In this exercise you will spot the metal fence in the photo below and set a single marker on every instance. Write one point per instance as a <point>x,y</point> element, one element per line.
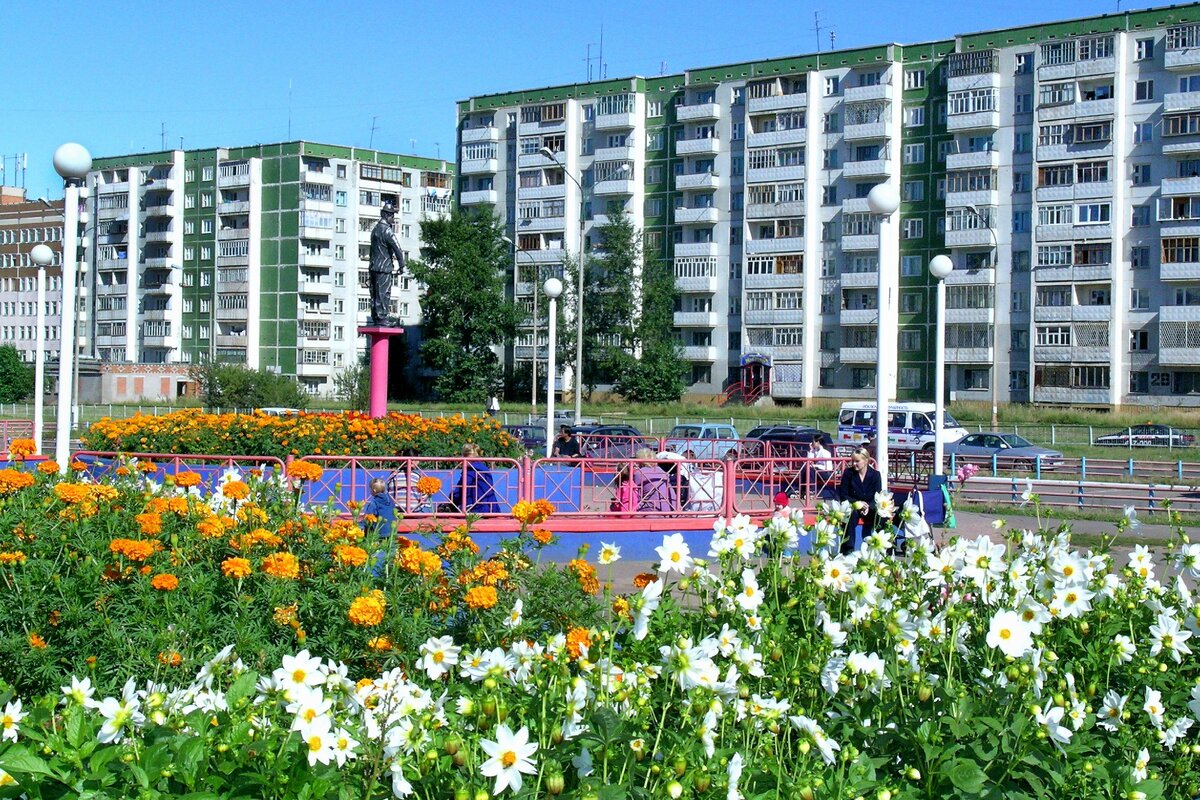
<point>1081,495</point>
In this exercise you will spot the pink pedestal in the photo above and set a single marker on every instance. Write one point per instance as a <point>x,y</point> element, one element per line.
<point>378,337</point>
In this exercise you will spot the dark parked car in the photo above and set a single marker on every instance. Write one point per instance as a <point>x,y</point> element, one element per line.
<point>608,441</point>
<point>792,443</point>
<point>1011,451</point>
<point>761,430</point>
<point>1148,436</point>
<point>532,437</point>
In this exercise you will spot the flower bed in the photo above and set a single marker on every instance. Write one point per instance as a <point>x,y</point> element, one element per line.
<point>344,433</point>
<point>1015,667</point>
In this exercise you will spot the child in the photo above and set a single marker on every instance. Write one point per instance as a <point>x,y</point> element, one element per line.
<point>379,513</point>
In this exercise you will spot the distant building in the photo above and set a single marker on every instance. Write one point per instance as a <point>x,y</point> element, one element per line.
<point>24,224</point>
<point>252,255</point>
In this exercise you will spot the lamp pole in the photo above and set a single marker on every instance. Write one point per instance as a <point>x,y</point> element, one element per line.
<point>548,154</point>
<point>71,161</point>
<point>979,215</point>
<point>517,279</point>
<point>42,256</point>
<point>883,202</point>
<point>553,288</point>
<point>939,268</point>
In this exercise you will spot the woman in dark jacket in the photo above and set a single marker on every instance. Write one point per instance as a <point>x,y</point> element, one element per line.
<point>479,495</point>
<point>860,483</point>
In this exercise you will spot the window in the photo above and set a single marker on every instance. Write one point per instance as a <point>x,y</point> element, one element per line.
<point>914,79</point>
<point>1139,299</point>
<point>831,123</point>
<point>654,108</point>
<point>1181,250</point>
<point>1189,83</point>
<point>1056,94</point>
<point>832,86</point>
<point>1181,124</point>
<point>1141,174</point>
<point>189,227</point>
<point>944,149</point>
<point>1141,216</point>
<point>829,195</point>
<point>1018,340</point>
<point>206,226</point>
<point>910,303</point>
<point>1139,258</point>
<point>910,341</point>
<point>914,116</point>
<point>1021,221</point>
<point>1091,172</point>
<point>1022,142</point>
<point>655,140</point>
<point>1144,49</point>
<point>1023,103</point>
<point>1053,336</point>
<point>1143,90</point>
<point>972,101</point>
<point>831,160</point>
<point>914,153</point>
<point>1022,182</point>
<point>911,266</point>
<point>914,191</point>
<point>1143,132</point>
<point>1024,63</point>
<point>1093,213</point>
<point>914,228</point>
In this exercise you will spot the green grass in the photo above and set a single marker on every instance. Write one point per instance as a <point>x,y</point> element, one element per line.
<point>1058,514</point>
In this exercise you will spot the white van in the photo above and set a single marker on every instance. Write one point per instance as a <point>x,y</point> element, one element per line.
<point>910,425</point>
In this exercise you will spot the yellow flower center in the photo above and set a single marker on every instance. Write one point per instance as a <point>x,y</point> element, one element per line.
<point>343,743</point>
<point>310,714</point>
<point>314,743</point>
<point>675,557</point>
<point>1072,597</point>
<point>835,573</point>
<point>438,657</point>
<point>298,676</point>
<point>1005,633</point>
<point>508,759</point>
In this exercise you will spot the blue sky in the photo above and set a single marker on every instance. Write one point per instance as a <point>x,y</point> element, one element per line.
<point>112,75</point>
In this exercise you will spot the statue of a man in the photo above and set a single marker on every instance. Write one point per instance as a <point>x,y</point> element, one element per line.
<point>383,248</point>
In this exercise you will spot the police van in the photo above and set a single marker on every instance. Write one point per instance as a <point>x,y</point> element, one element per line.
<point>910,426</point>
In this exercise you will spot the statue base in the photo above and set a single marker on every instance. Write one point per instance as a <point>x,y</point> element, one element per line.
<point>378,337</point>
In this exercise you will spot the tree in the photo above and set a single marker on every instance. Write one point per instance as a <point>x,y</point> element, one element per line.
<point>465,313</point>
<point>236,386</point>
<point>657,375</point>
<point>353,386</point>
<point>16,377</point>
<point>612,286</point>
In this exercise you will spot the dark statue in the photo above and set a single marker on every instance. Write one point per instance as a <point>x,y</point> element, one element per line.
<point>383,248</point>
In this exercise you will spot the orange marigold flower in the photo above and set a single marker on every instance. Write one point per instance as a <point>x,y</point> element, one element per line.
<point>55,618</point>
<point>480,597</point>
<point>12,480</point>
<point>577,640</point>
<point>543,536</point>
<point>534,513</point>
<point>187,479</point>
<point>419,562</point>
<point>71,493</point>
<point>78,465</point>
<point>380,644</point>
<point>258,536</point>
<point>134,549</point>
<point>171,659</point>
<point>455,540</point>
<point>281,565</point>
<point>236,490</point>
<point>586,574</point>
<point>349,555</point>
<point>621,608</point>
<point>236,567</point>
<point>20,449</point>
<point>285,616</point>
<point>122,471</point>
<point>165,582</point>
<point>178,505</point>
<point>148,467</point>
<point>367,611</point>
<point>644,579</point>
<point>37,642</point>
<point>343,530</point>
<point>428,485</point>
<point>210,528</point>
<point>12,557</point>
<point>150,524</point>
<point>48,467</point>
<point>485,573</point>
<point>304,470</point>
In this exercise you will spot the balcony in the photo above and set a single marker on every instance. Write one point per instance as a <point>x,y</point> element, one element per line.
<point>1179,272</point>
<point>539,160</point>
<point>698,147</point>
<point>238,178</point>
<point>113,213</point>
<point>859,355</point>
<point>866,131</point>
<point>156,262</point>
<point>971,237</point>
<point>990,198</point>
<point>159,236</point>
<point>969,355</point>
<point>696,319</point>
<point>225,234</point>
<point>769,210</point>
<point>547,256</point>
<point>541,224</point>
<point>1181,186</point>
<point>232,340</point>
<point>859,316</point>
<point>616,122</point>
<point>977,121</point>
<point>960,277</point>
<point>704,181</point>
<point>699,353</point>
<point>982,315</point>
<point>236,314</point>
<point>777,102</point>
<point>322,177</point>
<point>623,187</point>
<point>983,159</point>
<point>696,249</point>
<point>1179,356</point>
<point>860,280</point>
<point>864,241</point>
<point>542,126</point>
<point>1182,50</point>
<point>793,316</point>
<point>875,168</point>
<point>323,259</point>
<point>1179,314</point>
<point>314,312</point>
<point>480,197</point>
<point>783,244</point>
<point>614,153</point>
<point>696,216</point>
<point>160,210</point>
<point>480,166</point>
<point>697,111</point>
<point>774,280</point>
<point>312,370</point>
<point>1070,395</point>
<point>861,94</point>
<point>1081,109</point>
<point>697,284</point>
<point>473,135</point>
<point>775,138</point>
<point>1181,101</point>
<point>774,174</point>
<point>316,287</point>
<point>542,192</point>
<point>234,207</point>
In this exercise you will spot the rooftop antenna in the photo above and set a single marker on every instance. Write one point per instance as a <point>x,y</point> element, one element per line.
<point>603,66</point>
<point>832,39</point>
<point>412,145</point>
<point>163,134</point>
<point>438,145</point>
<point>289,136</point>
<point>662,68</point>
<point>817,28</point>
<point>374,127</point>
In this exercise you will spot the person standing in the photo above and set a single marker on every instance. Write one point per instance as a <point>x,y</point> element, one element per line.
<point>383,248</point>
<point>860,483</point>
<point>493,406</point>
<point>820,465</point>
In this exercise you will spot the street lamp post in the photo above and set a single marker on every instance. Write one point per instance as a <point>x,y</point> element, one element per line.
<point>883,201</point>
<point>553,288</point>
<point>534,357</point>
<point>549,154</point>
<point>42,256</point>
<point>939,268</point>
<point>71,161</point>
<point>979,215</point>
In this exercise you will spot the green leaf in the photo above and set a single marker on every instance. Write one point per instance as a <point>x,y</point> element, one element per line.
<point>187,758</point>
<point>242,688</point>
<point>966,776</point>
<point>101,758</point>
<point>612,793</point>
<point>17,760</point>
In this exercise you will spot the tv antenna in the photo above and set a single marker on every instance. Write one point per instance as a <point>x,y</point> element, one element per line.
<point>817,28</point>
<point>374,127</point>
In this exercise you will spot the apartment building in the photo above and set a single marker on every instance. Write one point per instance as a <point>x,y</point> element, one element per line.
<point>252,255</point>
<point>1056,164</point>
<point>25,224</point>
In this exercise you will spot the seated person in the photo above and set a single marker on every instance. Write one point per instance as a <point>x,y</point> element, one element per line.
<point>654,485</point>
<point>566,444</point>
<point>379,513</point>
<point>478,494</point>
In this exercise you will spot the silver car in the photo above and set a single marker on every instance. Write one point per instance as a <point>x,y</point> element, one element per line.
<point>1011,451</point>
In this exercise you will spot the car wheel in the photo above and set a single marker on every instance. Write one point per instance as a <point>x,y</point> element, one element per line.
<point>1023,465</point>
